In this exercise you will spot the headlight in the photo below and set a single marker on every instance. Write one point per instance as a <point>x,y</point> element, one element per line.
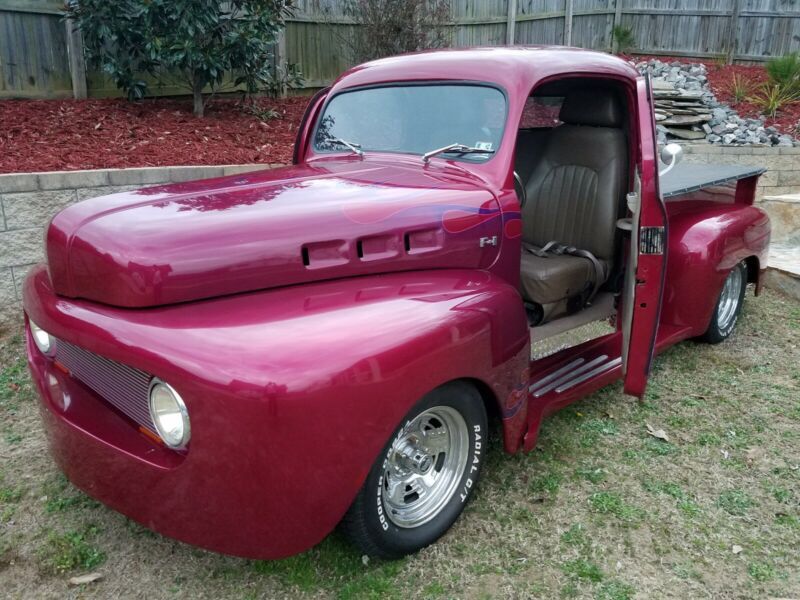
<point>169,414</point>
<point>41,338</point>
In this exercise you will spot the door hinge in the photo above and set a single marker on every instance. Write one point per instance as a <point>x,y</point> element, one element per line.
<point>651,240</point>
<point>488,241</point>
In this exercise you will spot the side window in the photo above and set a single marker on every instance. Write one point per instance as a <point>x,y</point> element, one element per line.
<point>541,112</point>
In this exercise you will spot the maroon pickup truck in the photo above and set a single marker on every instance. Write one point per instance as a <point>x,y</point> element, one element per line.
<point>245,363</point>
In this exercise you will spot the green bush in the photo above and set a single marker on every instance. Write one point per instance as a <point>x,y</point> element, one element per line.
<point>740,88</point>
<point>391,27</point>
<point>784,71</point>
<point>624,38</point>
<point>771,97</point>
<point>197,44</point>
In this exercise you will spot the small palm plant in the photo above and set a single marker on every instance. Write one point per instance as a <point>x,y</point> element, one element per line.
<point>782,87</point>
<point>623,38</point>
<point>771,97</point>
<point>740,88</point>
<point>785,70</point>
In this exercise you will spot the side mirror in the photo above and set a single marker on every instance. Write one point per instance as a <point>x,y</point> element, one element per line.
<point>670,155</point>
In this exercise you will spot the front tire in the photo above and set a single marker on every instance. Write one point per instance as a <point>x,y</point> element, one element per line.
<point>729,305</point>
<point>425,474</point>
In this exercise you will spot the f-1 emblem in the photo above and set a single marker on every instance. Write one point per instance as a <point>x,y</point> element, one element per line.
<point>488,241</point>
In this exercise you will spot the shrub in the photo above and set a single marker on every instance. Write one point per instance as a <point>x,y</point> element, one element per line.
<point>771,97</point>
<point>623,38</point>
<point>390,27</point>
<point>281,78</point>
<point>740,88</point>
<point>197,44</point>
<point>784,71</point>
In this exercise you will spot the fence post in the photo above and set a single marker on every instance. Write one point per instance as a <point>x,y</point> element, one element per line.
<point>568,23</point>
<point>733,26</point>
<point>617,22</point>
<point>511,22</point>
<point>77,65</point>
<point>279,56</point>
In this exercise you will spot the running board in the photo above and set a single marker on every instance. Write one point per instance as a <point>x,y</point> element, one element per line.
<point>572,374</point>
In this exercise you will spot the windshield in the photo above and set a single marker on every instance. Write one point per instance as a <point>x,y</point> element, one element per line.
<point>415,119</point>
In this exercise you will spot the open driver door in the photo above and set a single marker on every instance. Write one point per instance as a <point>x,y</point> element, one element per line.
<point>644,278</point>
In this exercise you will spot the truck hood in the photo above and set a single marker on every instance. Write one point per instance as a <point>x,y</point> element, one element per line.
<point>326,219</point>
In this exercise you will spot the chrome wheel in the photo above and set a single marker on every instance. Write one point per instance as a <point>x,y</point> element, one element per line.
<point>424,466</point>
<point>729,299</point>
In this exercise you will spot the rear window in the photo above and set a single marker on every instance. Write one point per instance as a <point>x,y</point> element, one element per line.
<point>541,112</point>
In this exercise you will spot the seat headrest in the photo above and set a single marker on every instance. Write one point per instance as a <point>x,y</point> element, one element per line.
<point>598,107</point>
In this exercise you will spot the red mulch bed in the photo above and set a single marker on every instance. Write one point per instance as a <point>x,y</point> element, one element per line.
<point>720,80</point>
<point>62,135</point>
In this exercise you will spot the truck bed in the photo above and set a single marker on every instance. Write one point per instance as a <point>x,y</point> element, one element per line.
<point>686,178</point>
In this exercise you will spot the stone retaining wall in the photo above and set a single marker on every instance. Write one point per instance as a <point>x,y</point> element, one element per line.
<point>28,200</point>
<point>782,164</point>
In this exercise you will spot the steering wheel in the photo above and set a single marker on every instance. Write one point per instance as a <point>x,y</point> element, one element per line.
<point>519,188</point>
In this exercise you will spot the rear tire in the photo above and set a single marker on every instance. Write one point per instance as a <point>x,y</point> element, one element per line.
<point>423,477</point>
<point>728,307</point>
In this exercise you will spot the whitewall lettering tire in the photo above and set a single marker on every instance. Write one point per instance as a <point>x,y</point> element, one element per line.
<point>424,476</point>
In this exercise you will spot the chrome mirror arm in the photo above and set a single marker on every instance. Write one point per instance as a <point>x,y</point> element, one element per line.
<point>670,155</point>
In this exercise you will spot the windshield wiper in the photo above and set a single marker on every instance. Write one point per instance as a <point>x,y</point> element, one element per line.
<point>456,149</point>
<point>351,145</point>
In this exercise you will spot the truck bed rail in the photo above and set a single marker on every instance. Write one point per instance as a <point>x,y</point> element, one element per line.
<point>684,179</point>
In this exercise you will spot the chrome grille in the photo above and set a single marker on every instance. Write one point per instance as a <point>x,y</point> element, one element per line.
<point>124,387</point>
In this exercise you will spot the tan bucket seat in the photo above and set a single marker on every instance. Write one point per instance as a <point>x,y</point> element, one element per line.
<point>573,198</point>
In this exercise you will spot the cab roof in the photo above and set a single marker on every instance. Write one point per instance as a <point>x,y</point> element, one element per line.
<point>514,68</point>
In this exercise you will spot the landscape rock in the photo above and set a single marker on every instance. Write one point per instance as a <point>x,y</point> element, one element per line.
<point>685,108</point>
<point>685,134</point>
<point>683,120</point>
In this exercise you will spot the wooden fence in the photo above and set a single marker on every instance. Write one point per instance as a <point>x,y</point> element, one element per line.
<point>38,51</point>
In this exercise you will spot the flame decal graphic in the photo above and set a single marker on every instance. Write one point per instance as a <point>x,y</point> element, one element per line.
<point>459,220</point>
<point>453,218</point>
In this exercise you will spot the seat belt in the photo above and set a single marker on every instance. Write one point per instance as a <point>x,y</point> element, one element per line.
<point>555,248</point>
<point>543,251</point>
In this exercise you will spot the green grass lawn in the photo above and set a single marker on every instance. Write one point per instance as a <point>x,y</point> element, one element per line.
<point>601,509</point>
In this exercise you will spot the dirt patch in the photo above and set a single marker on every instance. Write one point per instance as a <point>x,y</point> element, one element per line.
<point>602,509</point>
<point>65,135</point>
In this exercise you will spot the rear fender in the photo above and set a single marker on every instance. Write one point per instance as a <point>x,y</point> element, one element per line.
<point>704,245</point>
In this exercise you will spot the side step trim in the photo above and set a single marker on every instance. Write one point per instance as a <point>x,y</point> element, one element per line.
<point>586,376</point>
<point>555,374</point>
<point>568,377</point>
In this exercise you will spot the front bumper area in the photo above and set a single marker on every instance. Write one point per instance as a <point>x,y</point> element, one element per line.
<point>250,483</point>
<point>220,502</point>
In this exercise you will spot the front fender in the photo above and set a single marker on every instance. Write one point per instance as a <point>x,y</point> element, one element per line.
<point>706,240</point>
<point>292,393</point>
